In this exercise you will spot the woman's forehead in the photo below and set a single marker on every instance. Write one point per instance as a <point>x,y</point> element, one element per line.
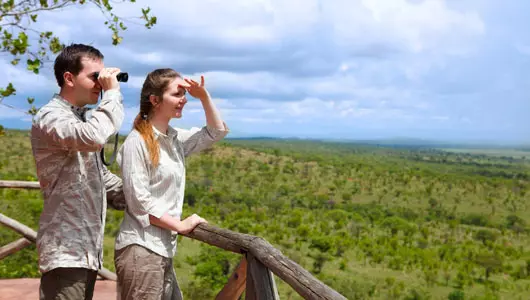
<point>178,83</point>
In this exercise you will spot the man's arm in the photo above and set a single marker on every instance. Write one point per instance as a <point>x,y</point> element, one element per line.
<point>114,188</point>
<point>65,132</point>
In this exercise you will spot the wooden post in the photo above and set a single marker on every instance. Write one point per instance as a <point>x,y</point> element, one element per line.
<point>14,247</point>
<point>236,283</point>
<point>260,281</point>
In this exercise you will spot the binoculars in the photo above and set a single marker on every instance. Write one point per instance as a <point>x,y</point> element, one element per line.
<point>122,76</point>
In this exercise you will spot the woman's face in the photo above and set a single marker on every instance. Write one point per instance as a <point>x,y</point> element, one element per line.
<point>173,99</point>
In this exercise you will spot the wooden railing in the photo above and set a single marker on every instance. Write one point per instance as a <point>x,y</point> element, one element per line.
<point>254,274</point>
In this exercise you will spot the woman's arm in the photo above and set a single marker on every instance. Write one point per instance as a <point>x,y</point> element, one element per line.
<point>213,117</point>
<point>174,224</point>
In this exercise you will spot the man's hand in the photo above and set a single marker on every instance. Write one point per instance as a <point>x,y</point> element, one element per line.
<point>108,80</point>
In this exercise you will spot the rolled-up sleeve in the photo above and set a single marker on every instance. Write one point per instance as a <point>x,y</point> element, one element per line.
<point>73,134</point>
<point>197,139</point>
<point>133,160</point>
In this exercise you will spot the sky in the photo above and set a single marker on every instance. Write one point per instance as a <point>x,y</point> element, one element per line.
<point>453,70</point>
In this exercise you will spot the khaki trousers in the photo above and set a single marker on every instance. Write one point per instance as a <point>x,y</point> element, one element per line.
<point>67,283</point>
<point>143,274</point>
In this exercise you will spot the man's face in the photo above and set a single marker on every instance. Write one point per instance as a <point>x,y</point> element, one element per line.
<point>86,88</point>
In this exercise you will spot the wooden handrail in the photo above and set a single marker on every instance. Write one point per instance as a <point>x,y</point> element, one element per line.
<point>31,235</point>
<point>19,184</point>
<point>253,247</point>
<point>303,282</point>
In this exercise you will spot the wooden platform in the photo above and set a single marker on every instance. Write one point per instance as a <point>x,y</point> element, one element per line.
<point>28,288</point>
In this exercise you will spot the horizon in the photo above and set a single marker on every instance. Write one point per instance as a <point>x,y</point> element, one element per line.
<point>284,70</point>
<point>393,141</point>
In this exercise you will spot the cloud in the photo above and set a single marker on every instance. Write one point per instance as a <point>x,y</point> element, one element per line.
<point>429,67</point>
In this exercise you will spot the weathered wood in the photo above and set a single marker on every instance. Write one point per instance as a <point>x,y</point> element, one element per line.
<point>31,235</point>
<point>13,247</point>
<point>19,184</point>
<point>22,229</point>
<point>236,283</point>
<point>108,275</point>
<point>260,281</point>
<point>251,291</point>
<point>303,282</point>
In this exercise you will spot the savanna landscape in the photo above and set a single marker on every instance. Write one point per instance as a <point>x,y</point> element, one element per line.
<point>370,221</point>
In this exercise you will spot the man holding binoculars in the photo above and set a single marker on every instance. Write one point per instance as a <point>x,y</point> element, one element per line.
<point>74,182</point>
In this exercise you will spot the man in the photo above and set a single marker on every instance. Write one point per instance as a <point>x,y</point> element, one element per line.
<point>74,182</point>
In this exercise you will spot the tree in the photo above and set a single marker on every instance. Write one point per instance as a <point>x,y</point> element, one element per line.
<point>17,20</point>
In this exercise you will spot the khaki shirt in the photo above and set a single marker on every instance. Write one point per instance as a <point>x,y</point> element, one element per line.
<point>75,184</point>
<point>150,191</point>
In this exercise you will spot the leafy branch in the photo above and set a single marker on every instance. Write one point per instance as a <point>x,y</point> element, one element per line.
<point>17,19</point>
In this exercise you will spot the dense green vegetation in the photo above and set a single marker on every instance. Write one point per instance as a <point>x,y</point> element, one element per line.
<point>371,222</point>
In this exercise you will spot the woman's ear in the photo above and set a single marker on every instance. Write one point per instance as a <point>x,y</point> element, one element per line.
<point>153,99</point>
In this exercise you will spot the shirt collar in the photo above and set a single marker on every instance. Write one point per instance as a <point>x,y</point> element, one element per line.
<point>171,133</point>
<point>78,110</point>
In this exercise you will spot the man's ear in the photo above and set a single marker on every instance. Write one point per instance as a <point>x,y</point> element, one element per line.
<point>68,79</point>
<point>153,99</point>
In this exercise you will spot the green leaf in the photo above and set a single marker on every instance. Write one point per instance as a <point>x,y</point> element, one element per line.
<point>33,18</point>
<point>8,91</point>
<point>20,45</point>
<point>55,45</point>
<point>34,65</point>
<point>116,39</point>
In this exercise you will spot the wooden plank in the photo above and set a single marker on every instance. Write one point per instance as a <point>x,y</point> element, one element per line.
<point>236,283</point>
<point>260,281</point>
<point>250,292</point>
<point>19,184</point>
<point>31,235</point>
<point>13,247</point>
<point>302,281</point>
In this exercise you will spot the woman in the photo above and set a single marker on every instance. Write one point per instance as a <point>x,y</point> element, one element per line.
<point>153,171</point>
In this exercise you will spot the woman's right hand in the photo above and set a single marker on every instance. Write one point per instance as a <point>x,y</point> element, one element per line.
<point>190,223</point>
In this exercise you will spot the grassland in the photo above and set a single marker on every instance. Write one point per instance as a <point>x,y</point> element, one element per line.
<point>371,222</point>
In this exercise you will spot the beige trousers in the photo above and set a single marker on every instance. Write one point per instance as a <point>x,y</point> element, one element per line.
<point>143,274</point>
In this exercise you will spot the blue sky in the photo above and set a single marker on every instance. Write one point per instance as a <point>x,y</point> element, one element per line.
<point>450,70</point>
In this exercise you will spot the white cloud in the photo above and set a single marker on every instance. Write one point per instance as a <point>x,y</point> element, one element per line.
<point>293,62</point>
<point>24,82</point>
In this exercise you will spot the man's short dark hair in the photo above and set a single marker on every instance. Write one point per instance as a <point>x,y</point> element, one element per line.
<point>69,60</point>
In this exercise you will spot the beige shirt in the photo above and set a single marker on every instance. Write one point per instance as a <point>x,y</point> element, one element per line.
<point>74,183</point>
<point>157,191</point>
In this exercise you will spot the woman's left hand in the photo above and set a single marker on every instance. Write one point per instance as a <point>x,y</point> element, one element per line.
<point>197,90</point>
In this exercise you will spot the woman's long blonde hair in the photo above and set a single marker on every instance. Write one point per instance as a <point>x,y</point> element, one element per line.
<point>155,84</point>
